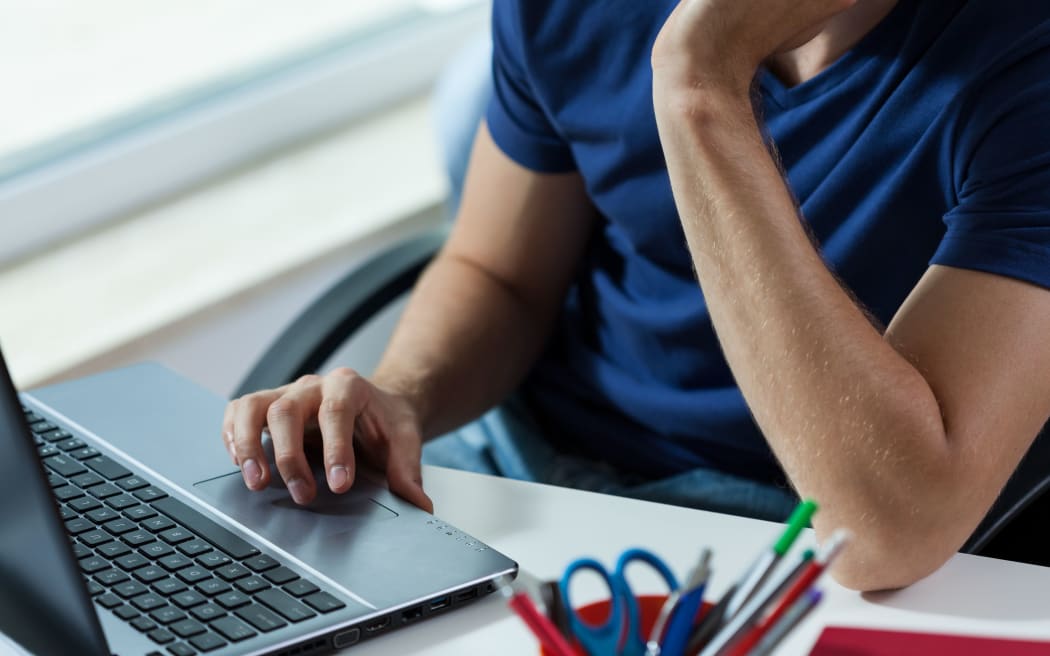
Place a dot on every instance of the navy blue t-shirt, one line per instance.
(928, 142)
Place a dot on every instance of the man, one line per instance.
(630, 144)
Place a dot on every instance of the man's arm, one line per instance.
(476, 321)
(905, 437)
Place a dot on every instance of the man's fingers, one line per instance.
(404, 471)
(247, 418)
(227, 432)
(344, 395)
(286, 420)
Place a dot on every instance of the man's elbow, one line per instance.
(894, 560)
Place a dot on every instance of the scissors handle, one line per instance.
(635, 641)
(602, 639)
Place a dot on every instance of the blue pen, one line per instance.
(680, 620)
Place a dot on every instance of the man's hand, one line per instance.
(721, 43)
(338, 409)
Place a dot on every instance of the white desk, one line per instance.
(544, 527)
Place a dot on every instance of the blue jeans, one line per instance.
(507, 442)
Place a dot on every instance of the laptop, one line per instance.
(126, 530)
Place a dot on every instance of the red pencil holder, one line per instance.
(648, 605)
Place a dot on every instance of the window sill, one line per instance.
(131, 279)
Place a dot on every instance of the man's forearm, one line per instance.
(853, 423)
(463, 344)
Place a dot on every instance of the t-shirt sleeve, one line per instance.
(515, 116)
(1001, 222)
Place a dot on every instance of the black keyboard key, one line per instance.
(213, 560)
(47, 450)
(102, 515)
(207, 642)
(132, 483)
(84, 504)
(194, 547)
(181, 649)
(63, 465)
(260, 617)
(94, 588)
(233, 629)
(188, 599)
(93, 564)
(125, 612)
(323, 602)
(168, 586)
(143, 624)
(207, 612)
(252, 584)
(187, 628)
(79, 525)
(120, 526)
(176, 535)
(72, 444)
(280, 575)
(107, 468)
(67, 513)
(132, 561)
(167, 615)
(175, 561)
(233, 572)
(108, 600)
(130, 589)
(54, 480)
(148, 601)
(231, 600)
(289, 607)
(42, 427)
(160, 636)
(121, 502)
(140, 513)
(80, 551)
(261, 563)
(150, 494)
(95, 538)
(104, 491)
(158, 524)
(67, 492)
(31, 417)
(84, 453)
(113, 550)
(110, 577)
(206, 528)
(193, 573)
(301, 588)
(140, 537)
(38, 441)
(149, 573)
(56, 436)
(212, 587)
(87, 479)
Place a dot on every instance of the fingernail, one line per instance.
(337, 476)
(297, 487)
(251, 472)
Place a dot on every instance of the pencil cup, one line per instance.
(648, 605)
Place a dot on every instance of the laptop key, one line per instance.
(150, 494)
(174, 561)
(120, 526)
(67, 513)
(84, 504)
(93, 564)
(80, 551)
(67, 492)
(181, 649)
(63, 465)
(79, 525)
(176, 535)
(140, 513)
(95, 538)
(193, 573)
(280, 575)
(167, 615)
(207, 612)
(55, 480)
(148, 601)
(158, 524)
(194, 547)
(130, 589)
(168, 586)
(72, 444)
(233, 629)
(125, 612)
(160, 636)
(217, 535)
(212, 587)
(132, 561)
(102, 515)
(289, 607)
(47, 450)
(56, 436)
(110, 577)
(323, 602)
(109, 600)
(85, 453)
(121, 502)
(104, 491)
(143, 624)
(132, 483)
(87, 479)
(113, 550)
(301, 588)
(187, 628)
(152, 548)
(42, 427)
(149, 573)
(94, 588)
(231, 600)
(252, 584)
(261, 563)
(232, 572)
(107, 468)
(188, 599)
(260, 617)
(213, 560)
(207, 642)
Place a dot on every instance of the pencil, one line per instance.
(775, 633)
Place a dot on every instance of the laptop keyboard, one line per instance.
(175, 575)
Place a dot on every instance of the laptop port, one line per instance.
(346, 638)
(466, 595)
(439, 603)
(412, 614)
(377, 625)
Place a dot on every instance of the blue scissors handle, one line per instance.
(634, 642)
(604, 638)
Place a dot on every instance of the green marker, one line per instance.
(758, 572)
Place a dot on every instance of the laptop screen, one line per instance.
(44, 605)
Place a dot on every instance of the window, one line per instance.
(113, 104)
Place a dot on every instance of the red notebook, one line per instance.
(848, 641)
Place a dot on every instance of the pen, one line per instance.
(775, 632)
(709, 623)
(680, 620)
(788, 582)
(767, 560)
(552, 641)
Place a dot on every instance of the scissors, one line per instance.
(621, 633)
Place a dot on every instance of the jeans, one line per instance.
(507, 442)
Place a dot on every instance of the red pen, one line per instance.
(545, 631)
